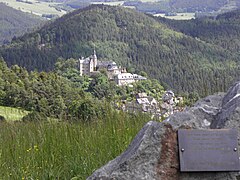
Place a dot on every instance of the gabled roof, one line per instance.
(141, 95)
(106, 63)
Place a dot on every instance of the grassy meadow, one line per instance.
(114, 3)
(37, 7)
(64, 150)
(179, 16)
(12, 114)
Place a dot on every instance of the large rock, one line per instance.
(153, 154)
(230, 109)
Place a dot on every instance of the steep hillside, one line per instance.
(15, 23)
(223, 31)
(132, 39)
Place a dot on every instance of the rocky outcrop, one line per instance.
(229, 114)
(153, 154)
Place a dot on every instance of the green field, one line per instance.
(12, 114)
(36, 7)
(151, 0)
(115, 3)
(180, 16)
(40, 7)
(64, 150)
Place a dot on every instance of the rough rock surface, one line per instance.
(153, 153)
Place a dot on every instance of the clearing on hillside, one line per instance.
(35, 7)
(12, 114)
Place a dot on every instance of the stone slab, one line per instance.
(208, 150)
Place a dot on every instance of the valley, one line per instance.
(184, 8)
(177, 16)
(75, 91)
(14, 23)
(131, 39)
(36, 7)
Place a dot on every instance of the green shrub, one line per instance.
(34, 116)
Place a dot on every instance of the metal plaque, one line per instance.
(208, 150)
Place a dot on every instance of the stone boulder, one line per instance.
(229, 114)
(153, 154)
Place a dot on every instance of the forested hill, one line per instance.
(132, 39)
(224, 30)
(15, 23)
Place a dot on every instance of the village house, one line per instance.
(143, 103)
(127, 78)
(148, 104)
(170, 102)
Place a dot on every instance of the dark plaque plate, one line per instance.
(208, 150)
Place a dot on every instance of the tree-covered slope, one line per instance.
(132, 39)
(15, 23)
(224, 30)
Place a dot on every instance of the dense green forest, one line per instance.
(65, 95)
(15, 23)
(224, 30)
(131, 39)
(46, 95)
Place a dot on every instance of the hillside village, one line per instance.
(142, 101)
(148, 104)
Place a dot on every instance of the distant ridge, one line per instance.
(15, 23)
(223, 31)
(132, 39)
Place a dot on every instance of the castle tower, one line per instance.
(81, 61)
(94, 58)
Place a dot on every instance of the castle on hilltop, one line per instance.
(91, 64)
(88, 65)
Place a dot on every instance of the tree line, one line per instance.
(64, 94)
(131, 39)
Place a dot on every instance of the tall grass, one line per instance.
(63, 150)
